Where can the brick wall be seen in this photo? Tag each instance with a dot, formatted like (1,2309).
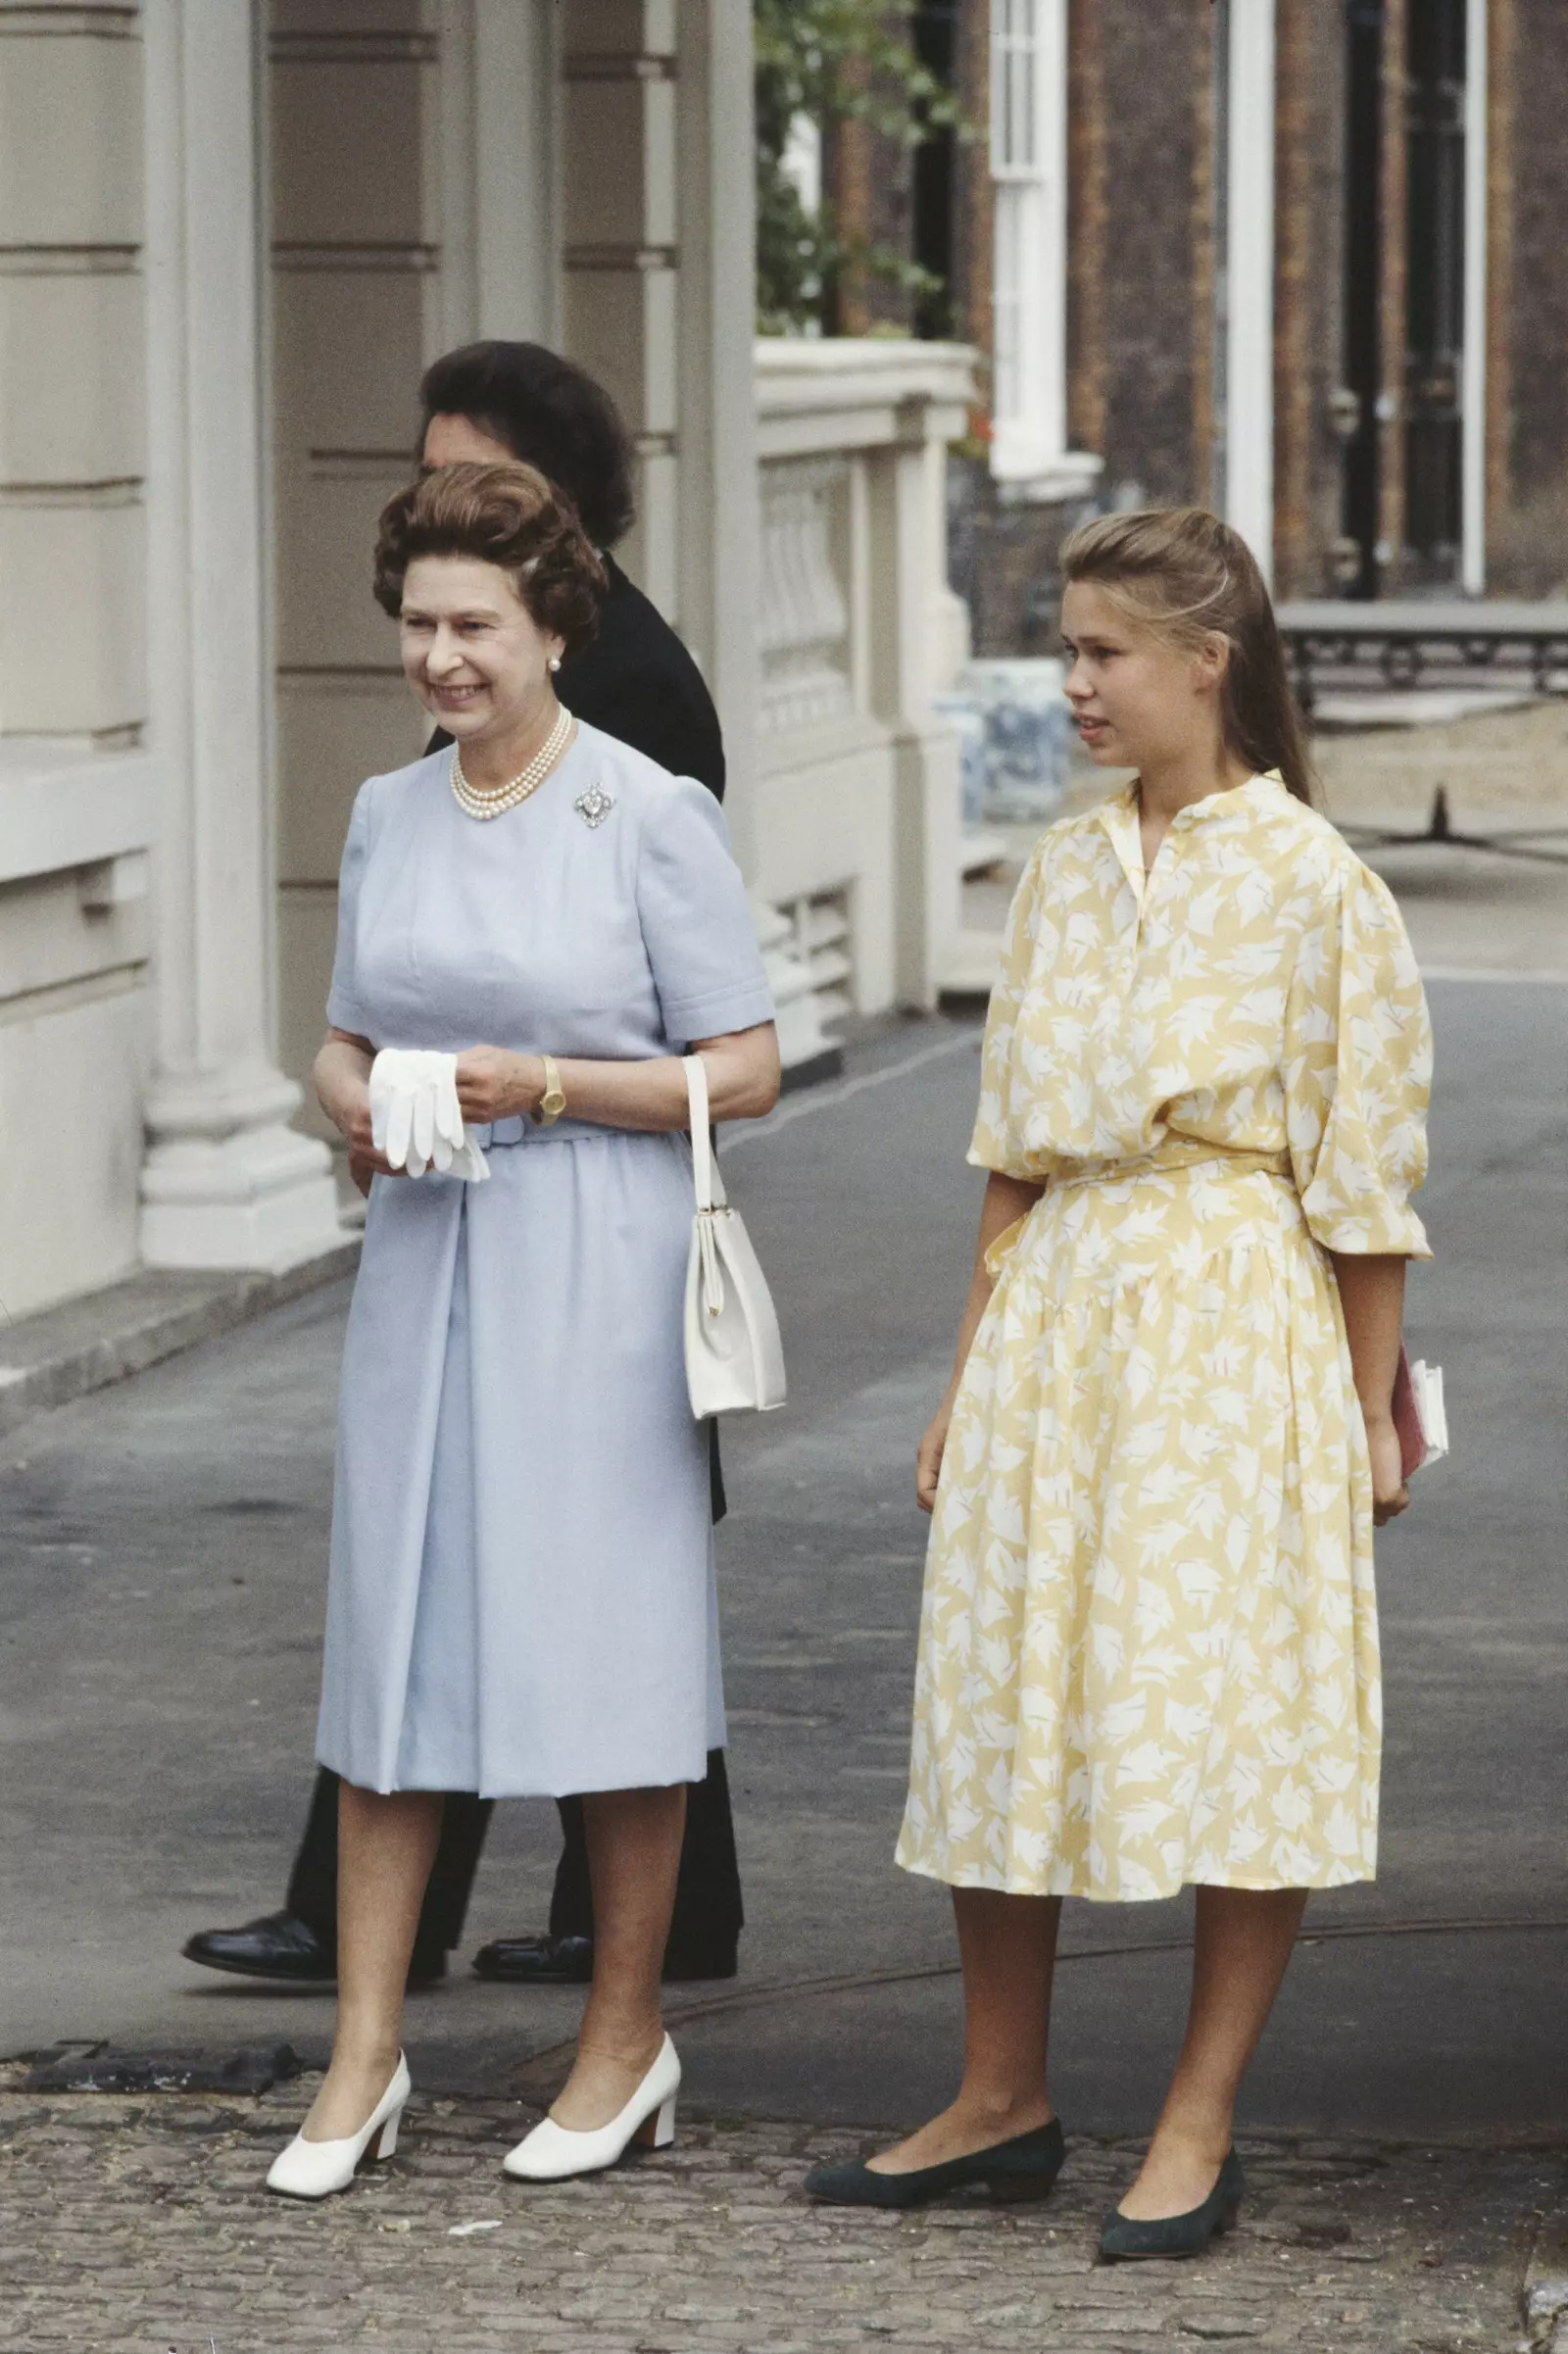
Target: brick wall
(970,282)
(874,181)
(1529,538)
(1309,262)
(1140,297)
(1154,71)
(1141,294)
(1501,105)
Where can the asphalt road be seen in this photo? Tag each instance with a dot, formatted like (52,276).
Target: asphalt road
(162,1561)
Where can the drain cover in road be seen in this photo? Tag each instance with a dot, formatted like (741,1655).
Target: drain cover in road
(84,2068)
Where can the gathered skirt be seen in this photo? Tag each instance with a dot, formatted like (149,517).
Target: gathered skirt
(1149,1644)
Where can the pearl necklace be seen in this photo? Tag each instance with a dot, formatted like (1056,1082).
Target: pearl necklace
(474,803)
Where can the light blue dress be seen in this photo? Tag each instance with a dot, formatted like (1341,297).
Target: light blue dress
(522,1595)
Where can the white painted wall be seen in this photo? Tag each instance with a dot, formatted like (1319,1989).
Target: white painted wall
(78,796)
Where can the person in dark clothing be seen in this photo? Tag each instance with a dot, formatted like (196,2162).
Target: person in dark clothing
(637,681)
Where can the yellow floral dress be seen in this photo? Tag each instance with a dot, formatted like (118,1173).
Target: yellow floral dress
(1149,1649)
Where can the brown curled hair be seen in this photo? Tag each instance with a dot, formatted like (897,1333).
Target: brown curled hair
(1188,576)
(507,516)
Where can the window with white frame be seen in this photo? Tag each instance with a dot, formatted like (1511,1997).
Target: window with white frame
(1029,267)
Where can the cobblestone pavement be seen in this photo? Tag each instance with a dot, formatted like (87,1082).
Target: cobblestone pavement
(141,2227)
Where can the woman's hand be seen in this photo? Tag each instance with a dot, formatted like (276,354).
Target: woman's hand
(1007,1201)
(1372,1298)
(495,1084)
(342,1078)
(345,1098)
(928,1460)
(1390,1494)
(364,1161)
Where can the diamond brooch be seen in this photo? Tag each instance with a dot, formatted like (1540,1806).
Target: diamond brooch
(594,805)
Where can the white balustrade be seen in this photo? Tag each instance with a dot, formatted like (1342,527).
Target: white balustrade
(804,628)
(854,815)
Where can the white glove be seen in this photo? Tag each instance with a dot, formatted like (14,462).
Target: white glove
(468,1162)
(416,1119)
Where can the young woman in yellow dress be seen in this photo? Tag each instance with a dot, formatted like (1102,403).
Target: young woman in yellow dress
(1149,1649)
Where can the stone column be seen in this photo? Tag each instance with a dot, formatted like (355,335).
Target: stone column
(226,1181)
(499,201)
(719,506)
(659,274)
(619,252)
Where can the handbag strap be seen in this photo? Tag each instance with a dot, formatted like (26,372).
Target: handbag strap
(704,1173)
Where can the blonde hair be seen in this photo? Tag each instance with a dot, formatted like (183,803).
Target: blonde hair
(1188,576)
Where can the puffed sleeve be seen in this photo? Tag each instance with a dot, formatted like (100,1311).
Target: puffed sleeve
(1358,1074)
(343,1008)
(995,1144)
(697,928)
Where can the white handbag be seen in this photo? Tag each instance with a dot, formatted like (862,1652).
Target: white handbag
(734,1357)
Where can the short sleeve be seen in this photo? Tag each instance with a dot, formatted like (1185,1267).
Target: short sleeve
(343,1008)
(1358,1074)
(994,1145)
(696,924)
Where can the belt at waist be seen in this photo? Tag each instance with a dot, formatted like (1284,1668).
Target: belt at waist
(1176,1154)
(517,1129)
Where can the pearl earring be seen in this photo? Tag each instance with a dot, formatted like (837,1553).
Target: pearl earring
(555,661)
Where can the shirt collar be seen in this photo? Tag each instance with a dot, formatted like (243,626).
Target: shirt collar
(1119,818)
(1115,813)
(1257,788)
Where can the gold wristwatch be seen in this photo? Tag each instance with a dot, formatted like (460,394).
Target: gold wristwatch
(553,1103)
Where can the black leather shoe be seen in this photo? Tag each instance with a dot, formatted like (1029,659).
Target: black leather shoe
(546,1961)
(279,1945)
(1125,2241)
(541,1961)
(1023,2168)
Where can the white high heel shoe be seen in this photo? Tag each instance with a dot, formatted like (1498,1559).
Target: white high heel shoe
(551,2152)
(312,2170)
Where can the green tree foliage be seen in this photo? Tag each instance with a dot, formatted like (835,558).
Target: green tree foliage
(835,60)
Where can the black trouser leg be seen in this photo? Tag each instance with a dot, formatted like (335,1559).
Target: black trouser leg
(313,1883)
(450,1883)
(715,1483)
(709,1916)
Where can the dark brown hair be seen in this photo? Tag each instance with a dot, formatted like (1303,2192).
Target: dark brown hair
(550,414)
(1188,576)
(504,514)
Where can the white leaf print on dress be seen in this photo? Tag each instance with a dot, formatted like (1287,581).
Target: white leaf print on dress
(1154,1501)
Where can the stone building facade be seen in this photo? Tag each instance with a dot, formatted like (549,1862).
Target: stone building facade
(232,234)
(1301,260)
